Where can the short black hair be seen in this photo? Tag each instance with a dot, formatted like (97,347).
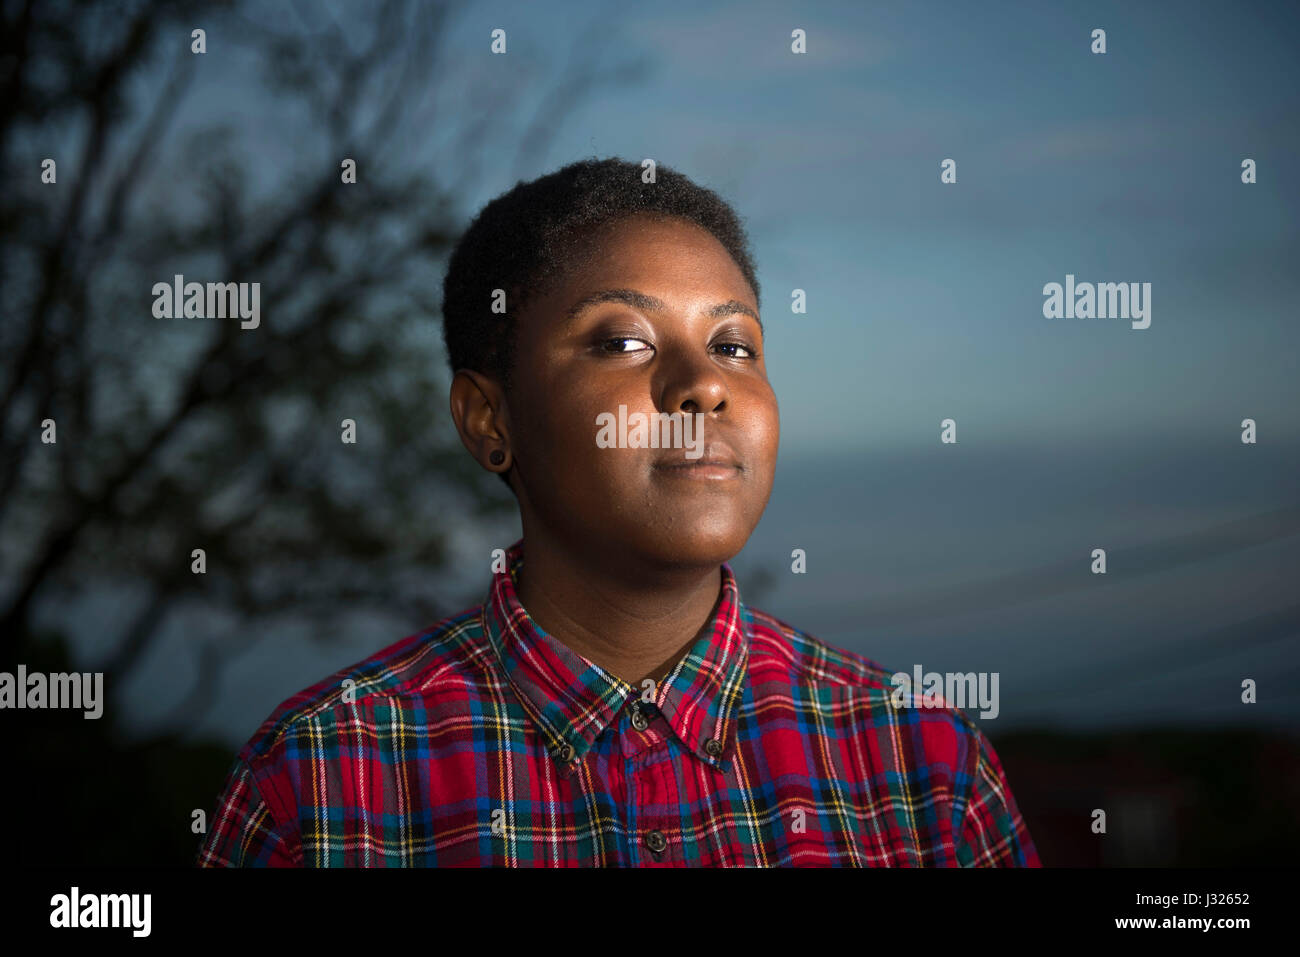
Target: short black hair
(527,239)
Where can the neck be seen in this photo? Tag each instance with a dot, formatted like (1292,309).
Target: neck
(633,624)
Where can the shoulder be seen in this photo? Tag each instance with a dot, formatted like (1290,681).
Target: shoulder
(781,652)
(778,645)
(447,653)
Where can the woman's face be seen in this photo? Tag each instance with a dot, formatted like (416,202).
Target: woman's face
(684,338)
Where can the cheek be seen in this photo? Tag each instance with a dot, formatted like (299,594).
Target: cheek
(773,413)
(561,439)
(764,423)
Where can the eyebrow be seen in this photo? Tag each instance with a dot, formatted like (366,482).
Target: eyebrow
(640,300)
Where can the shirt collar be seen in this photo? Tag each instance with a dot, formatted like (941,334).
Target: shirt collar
(571,699)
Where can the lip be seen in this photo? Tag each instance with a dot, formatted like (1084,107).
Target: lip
(718,463)
(710,472)
(715,454)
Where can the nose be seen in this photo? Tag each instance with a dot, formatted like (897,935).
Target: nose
(692,383)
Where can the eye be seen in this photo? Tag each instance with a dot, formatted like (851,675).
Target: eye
(605,345)
(751,353)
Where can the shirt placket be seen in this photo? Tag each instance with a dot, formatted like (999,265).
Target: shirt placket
(643,739)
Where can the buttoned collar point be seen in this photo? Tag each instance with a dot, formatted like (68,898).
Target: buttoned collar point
(572,700)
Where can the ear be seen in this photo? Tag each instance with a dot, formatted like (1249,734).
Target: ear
(478,408)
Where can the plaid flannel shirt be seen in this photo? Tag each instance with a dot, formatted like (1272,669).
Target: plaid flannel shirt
(484,741)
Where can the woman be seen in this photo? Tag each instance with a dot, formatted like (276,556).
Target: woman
(613,701)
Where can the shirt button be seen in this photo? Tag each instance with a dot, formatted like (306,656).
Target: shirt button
(713,746)
(656,841)
(566,753)
(638,719)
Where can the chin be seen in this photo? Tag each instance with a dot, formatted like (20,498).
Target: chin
(700,545)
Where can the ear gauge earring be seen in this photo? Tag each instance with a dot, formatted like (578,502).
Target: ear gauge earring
(497,457)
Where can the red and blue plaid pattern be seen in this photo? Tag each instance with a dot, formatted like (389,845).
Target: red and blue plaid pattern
(483,741)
